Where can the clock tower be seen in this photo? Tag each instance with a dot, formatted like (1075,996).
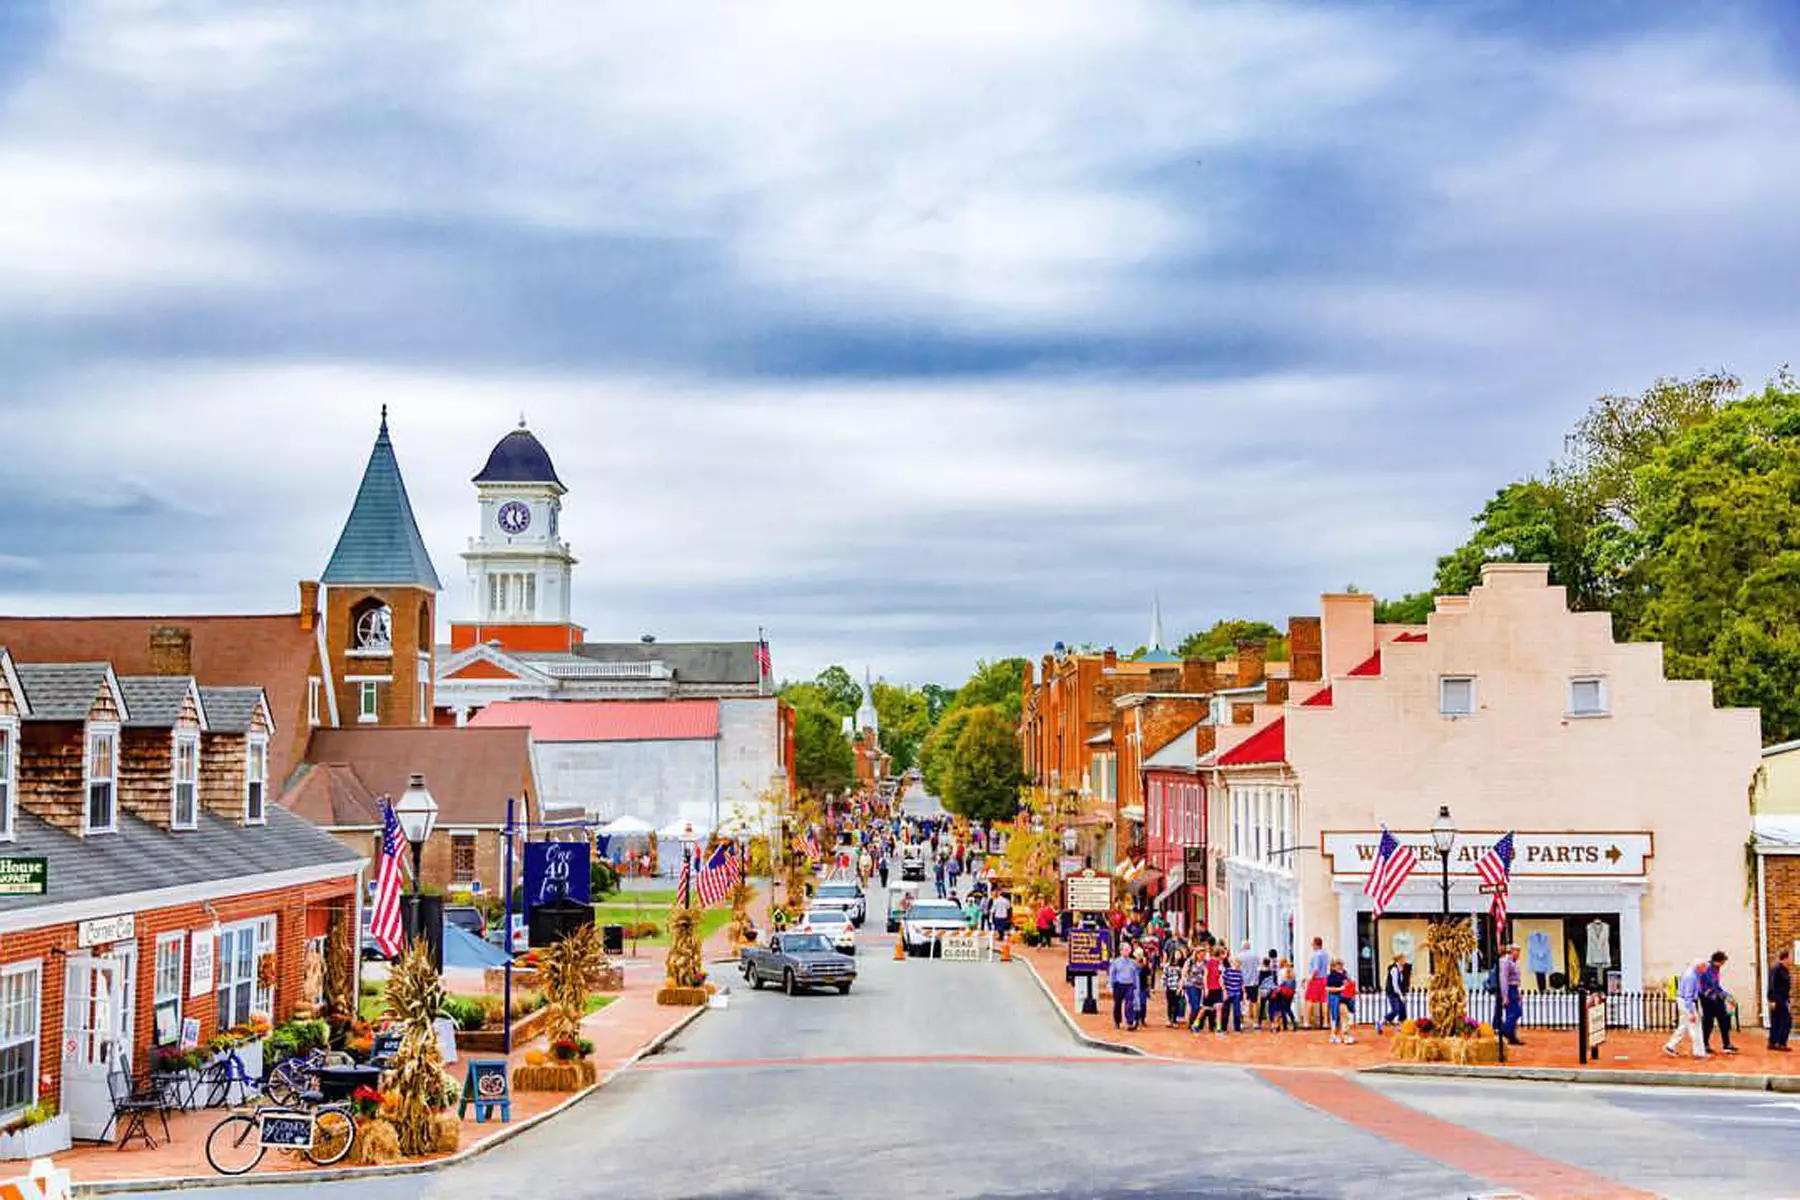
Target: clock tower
(519,567)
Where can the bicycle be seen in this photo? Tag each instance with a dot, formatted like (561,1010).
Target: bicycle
(238,1142)
(291,1079)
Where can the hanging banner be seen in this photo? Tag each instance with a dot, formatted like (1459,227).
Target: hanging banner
(200,963)
(556,871)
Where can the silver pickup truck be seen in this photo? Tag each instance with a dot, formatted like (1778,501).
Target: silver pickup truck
(799,962)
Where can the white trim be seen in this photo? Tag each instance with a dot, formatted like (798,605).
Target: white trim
(189,737)
(89,731)
(324,654)
(23,702)
(367,689)
(22,967)
(179,939)
(254,741)
(1605,709)
(1474,696)
(314,711)
(19,920)
(9,812)
(368,679)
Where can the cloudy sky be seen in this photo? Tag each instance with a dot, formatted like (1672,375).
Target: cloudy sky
(913,332)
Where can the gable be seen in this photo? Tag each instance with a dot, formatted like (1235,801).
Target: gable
(481,668)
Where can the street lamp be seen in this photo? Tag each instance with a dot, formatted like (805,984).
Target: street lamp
(1443,836)
(417,813)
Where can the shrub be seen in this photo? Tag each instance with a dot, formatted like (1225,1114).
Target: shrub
(565,1049)
(469,1012)
(603,879)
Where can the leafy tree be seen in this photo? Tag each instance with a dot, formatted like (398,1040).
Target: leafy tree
(823,759)
(1558,521)
(938,751)
(843,695)
(905,720)
(1000,684)
(1410,609)
(986,770)
(1221,640)
(937,699)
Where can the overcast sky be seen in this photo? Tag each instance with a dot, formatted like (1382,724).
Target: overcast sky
(915,333)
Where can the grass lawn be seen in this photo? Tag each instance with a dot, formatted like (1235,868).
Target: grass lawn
(624,908)
(596,1003)
(369,1003)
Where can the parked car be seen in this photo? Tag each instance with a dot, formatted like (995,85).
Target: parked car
(833,923)
(799,962)
(371,949)
(929,920)
(467,918)
(846,894)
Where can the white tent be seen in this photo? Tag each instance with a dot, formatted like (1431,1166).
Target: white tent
(626,827)
(683,830)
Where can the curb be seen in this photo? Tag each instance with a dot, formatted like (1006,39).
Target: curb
(1716,1082)
(500,1138)
(1074,1029)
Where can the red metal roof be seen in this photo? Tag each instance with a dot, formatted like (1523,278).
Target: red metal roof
(1411,637)
(1319,699)
(1266,745)
(606,720)
(1371,666)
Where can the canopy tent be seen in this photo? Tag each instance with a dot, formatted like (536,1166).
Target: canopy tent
(464,949)
(627,826)
(683,830)
(740,824)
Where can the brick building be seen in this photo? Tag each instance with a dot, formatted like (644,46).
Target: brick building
(174,893)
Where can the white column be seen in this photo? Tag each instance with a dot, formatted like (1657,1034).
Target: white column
(462,715)
(1346,936)
(1631,937)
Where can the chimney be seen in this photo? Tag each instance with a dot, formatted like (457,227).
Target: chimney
(1306,650)
(309,603)
(1206,739)
(1199,675)
(171,650)
(1110,659)
(1278,691)
(1250,652)
(1243,713)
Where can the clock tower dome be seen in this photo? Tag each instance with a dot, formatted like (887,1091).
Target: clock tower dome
(519,567)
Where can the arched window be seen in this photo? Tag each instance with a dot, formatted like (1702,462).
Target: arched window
(372,626)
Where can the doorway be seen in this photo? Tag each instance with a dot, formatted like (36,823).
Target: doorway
(99,995)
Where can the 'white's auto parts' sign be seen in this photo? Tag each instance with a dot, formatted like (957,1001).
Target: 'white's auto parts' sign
(1570,855)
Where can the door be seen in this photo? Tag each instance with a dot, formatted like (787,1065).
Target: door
(91,1040)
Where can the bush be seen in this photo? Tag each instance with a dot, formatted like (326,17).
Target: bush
(469,1012)
(603,879)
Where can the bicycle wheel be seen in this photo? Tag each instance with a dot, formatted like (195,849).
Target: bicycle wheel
(234,1147)
(334,1133)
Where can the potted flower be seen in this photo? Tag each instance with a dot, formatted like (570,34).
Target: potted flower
(177,1072)
(39,1131)
(368,1101)
(566,1050)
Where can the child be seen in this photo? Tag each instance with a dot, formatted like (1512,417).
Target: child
(1281,1015)
(1172,987)
(1233,978)
(1336,981)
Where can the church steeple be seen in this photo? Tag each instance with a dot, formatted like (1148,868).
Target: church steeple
(866,716)
(1156,625)
(380,542)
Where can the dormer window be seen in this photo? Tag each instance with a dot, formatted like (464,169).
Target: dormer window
(256,774)
(185,801)
(101,812)
(373,632)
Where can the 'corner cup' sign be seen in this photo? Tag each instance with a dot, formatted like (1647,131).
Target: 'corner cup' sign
(1567,855)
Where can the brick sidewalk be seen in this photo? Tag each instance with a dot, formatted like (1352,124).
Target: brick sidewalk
(620,1031)
(1625,1050)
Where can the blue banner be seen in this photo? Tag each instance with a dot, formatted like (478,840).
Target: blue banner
(556,871)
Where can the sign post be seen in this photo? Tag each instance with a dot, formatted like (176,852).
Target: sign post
(1591,1029)
(1088,892)
(1089,949)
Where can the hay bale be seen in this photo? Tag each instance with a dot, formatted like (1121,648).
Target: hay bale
(555,1077)
(683,997)
(448,1130)
(377,1143)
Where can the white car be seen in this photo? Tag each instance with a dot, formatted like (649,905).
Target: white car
(842,894)
(928,920)
(833,923)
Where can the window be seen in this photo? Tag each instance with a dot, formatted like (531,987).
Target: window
(236,967)
(374,630)
(1587,697)
(6,783)
(313,689)
(1456,695)
(368,701)
(19,995)
(187,780)
(424,690)
(102,779)
(462,858)
(256,775)
(265,951)
(166,994)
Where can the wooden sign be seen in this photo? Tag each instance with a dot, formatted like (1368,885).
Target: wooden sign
(200,963)
(103,931)
(287,1130)
(486,1087)
(1089,891)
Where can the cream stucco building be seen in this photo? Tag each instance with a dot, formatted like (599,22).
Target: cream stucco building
(1628,791)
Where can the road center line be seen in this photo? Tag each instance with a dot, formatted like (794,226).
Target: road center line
(905,1060)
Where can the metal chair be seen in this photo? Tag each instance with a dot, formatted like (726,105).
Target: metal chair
(134,1105)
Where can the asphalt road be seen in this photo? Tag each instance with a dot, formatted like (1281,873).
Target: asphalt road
(953,1079)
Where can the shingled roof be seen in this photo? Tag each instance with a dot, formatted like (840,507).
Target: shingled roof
(154,701)
(62,691)
(470,771)
(230,709)
(381,541)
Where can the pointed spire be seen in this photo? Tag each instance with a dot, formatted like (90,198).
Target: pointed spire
(381,541)
(1156,626)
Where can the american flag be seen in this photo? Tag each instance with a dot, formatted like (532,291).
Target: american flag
(1495,869)
(1394,861)
(719,873)
(812,846)
(764,664)
(684,887)
(390,877)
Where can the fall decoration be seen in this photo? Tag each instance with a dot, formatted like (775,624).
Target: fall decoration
(415,1081)
(564,975)
(1449,943)
(340,968)
(687,973)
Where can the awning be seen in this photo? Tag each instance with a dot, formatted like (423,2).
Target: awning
(1133,812)
(1174,881)
(626,827)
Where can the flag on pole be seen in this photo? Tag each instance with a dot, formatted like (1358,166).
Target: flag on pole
(1495,869)
(764,664)
(718,874)
(390,872)
(685,886)
(1394,861)
(813,850)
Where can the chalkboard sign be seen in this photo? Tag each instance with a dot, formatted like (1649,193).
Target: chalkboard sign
(386,1045)
(486,1087)
(289,1130)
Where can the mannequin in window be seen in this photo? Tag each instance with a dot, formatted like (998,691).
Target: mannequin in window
(1599,944)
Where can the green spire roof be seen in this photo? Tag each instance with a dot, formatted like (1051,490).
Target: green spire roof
(381,542)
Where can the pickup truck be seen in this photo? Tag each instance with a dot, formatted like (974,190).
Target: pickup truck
(799,962)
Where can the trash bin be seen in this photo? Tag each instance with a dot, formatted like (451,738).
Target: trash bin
(612,938)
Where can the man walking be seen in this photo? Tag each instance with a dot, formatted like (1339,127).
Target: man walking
(1122,975)
(1781,1017)
(1715,1005)
(1397,984)
(1318,966)
(1512,996)
(1001,916)
(1687,997)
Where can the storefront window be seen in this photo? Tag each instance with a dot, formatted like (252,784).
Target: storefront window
(237,973)
(19,995)
(166,998)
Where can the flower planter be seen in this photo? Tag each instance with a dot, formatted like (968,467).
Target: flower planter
(48,1137)
(492,1041)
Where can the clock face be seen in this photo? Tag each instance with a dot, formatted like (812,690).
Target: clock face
(515,517)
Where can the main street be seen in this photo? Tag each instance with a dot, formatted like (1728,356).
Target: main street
(953,1079)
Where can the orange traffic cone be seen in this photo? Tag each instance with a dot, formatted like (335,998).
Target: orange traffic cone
(899,949)
(1005,949)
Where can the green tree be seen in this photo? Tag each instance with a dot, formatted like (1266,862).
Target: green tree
(843,695)
(986,770)
(937,700)
(1000,684)
(1557,521)
(939,750)
(1410,609)
(1221,640)
(823,759)
(905,720)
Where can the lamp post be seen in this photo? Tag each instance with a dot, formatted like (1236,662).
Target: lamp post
(417,813)
(1443,836)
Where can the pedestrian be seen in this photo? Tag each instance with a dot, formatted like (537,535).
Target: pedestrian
(1781,1016)
(1233,979)
(865,867)
(1193,988)
(1318,966)
(1145,954)
(1687,998)
(937,875)
(1215,988)
(1397,984)
(881,869)
(1268,977)
(1282,1014)
(1715,1005)
(1512,994)
(1172,972)
(1121,975)
(1340,999)
(1000,914)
